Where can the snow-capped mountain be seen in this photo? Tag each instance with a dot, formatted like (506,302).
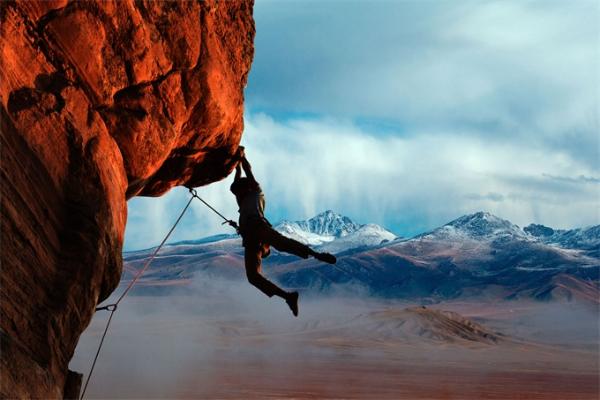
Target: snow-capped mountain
(581,238)
(329,223)
(480,226)
(369,235)
(483,226)
(335,233)
(475,255)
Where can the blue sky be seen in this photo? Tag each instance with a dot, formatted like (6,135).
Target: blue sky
(411,113)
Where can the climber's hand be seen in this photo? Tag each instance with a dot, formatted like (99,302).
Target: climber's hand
(240,153)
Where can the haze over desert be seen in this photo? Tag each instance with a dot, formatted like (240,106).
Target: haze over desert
(224,341)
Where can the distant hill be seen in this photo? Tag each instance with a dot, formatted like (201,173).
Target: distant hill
(420,324)
(477,255)
(582,238)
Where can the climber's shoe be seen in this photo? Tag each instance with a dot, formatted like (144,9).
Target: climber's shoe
(326,257)
(292,302)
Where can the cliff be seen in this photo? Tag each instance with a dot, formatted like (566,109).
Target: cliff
(101,101)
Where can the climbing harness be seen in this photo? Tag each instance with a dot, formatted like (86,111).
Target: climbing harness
(113,307)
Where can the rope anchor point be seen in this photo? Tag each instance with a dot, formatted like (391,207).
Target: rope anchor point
(193,191)
(109,307)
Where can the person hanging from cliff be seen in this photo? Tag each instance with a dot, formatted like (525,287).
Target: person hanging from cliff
(258,234)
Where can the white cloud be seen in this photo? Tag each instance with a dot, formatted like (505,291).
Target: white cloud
(518,69)
(409,183)
(492,105)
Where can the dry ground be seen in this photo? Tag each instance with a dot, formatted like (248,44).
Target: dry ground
(219,347)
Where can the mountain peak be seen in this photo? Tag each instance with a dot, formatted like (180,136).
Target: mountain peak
(578,238)
(479,216)
(330,223)
(483,223)
(539,230)
(333,232)
(327,215)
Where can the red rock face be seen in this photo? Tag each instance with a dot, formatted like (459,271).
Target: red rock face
(101,101)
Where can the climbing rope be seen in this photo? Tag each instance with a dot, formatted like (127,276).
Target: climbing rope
(113,307)
(231,223)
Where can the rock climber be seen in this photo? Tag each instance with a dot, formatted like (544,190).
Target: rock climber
(258,235)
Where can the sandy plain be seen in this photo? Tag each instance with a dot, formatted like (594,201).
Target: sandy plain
(232,343)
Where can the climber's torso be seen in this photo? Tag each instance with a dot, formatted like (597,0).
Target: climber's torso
(252,208)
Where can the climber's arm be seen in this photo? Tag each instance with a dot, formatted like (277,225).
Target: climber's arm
(247,168)
(238,167)
(238,172)
(245,164)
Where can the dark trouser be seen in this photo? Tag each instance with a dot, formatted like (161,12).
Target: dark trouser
(257,239)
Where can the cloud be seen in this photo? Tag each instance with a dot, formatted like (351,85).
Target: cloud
(407,183)
(411,113)
(489,196)
(414,182)
(581,179)
(501,70)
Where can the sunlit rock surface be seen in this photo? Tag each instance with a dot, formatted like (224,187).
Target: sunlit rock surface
(101,101)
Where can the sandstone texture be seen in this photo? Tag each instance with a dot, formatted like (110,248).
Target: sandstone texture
(101,101)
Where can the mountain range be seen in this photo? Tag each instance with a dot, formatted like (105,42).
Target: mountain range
(475,256)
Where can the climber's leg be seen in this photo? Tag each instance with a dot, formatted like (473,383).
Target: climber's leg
(271,236)
(282,243)
(252,258)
